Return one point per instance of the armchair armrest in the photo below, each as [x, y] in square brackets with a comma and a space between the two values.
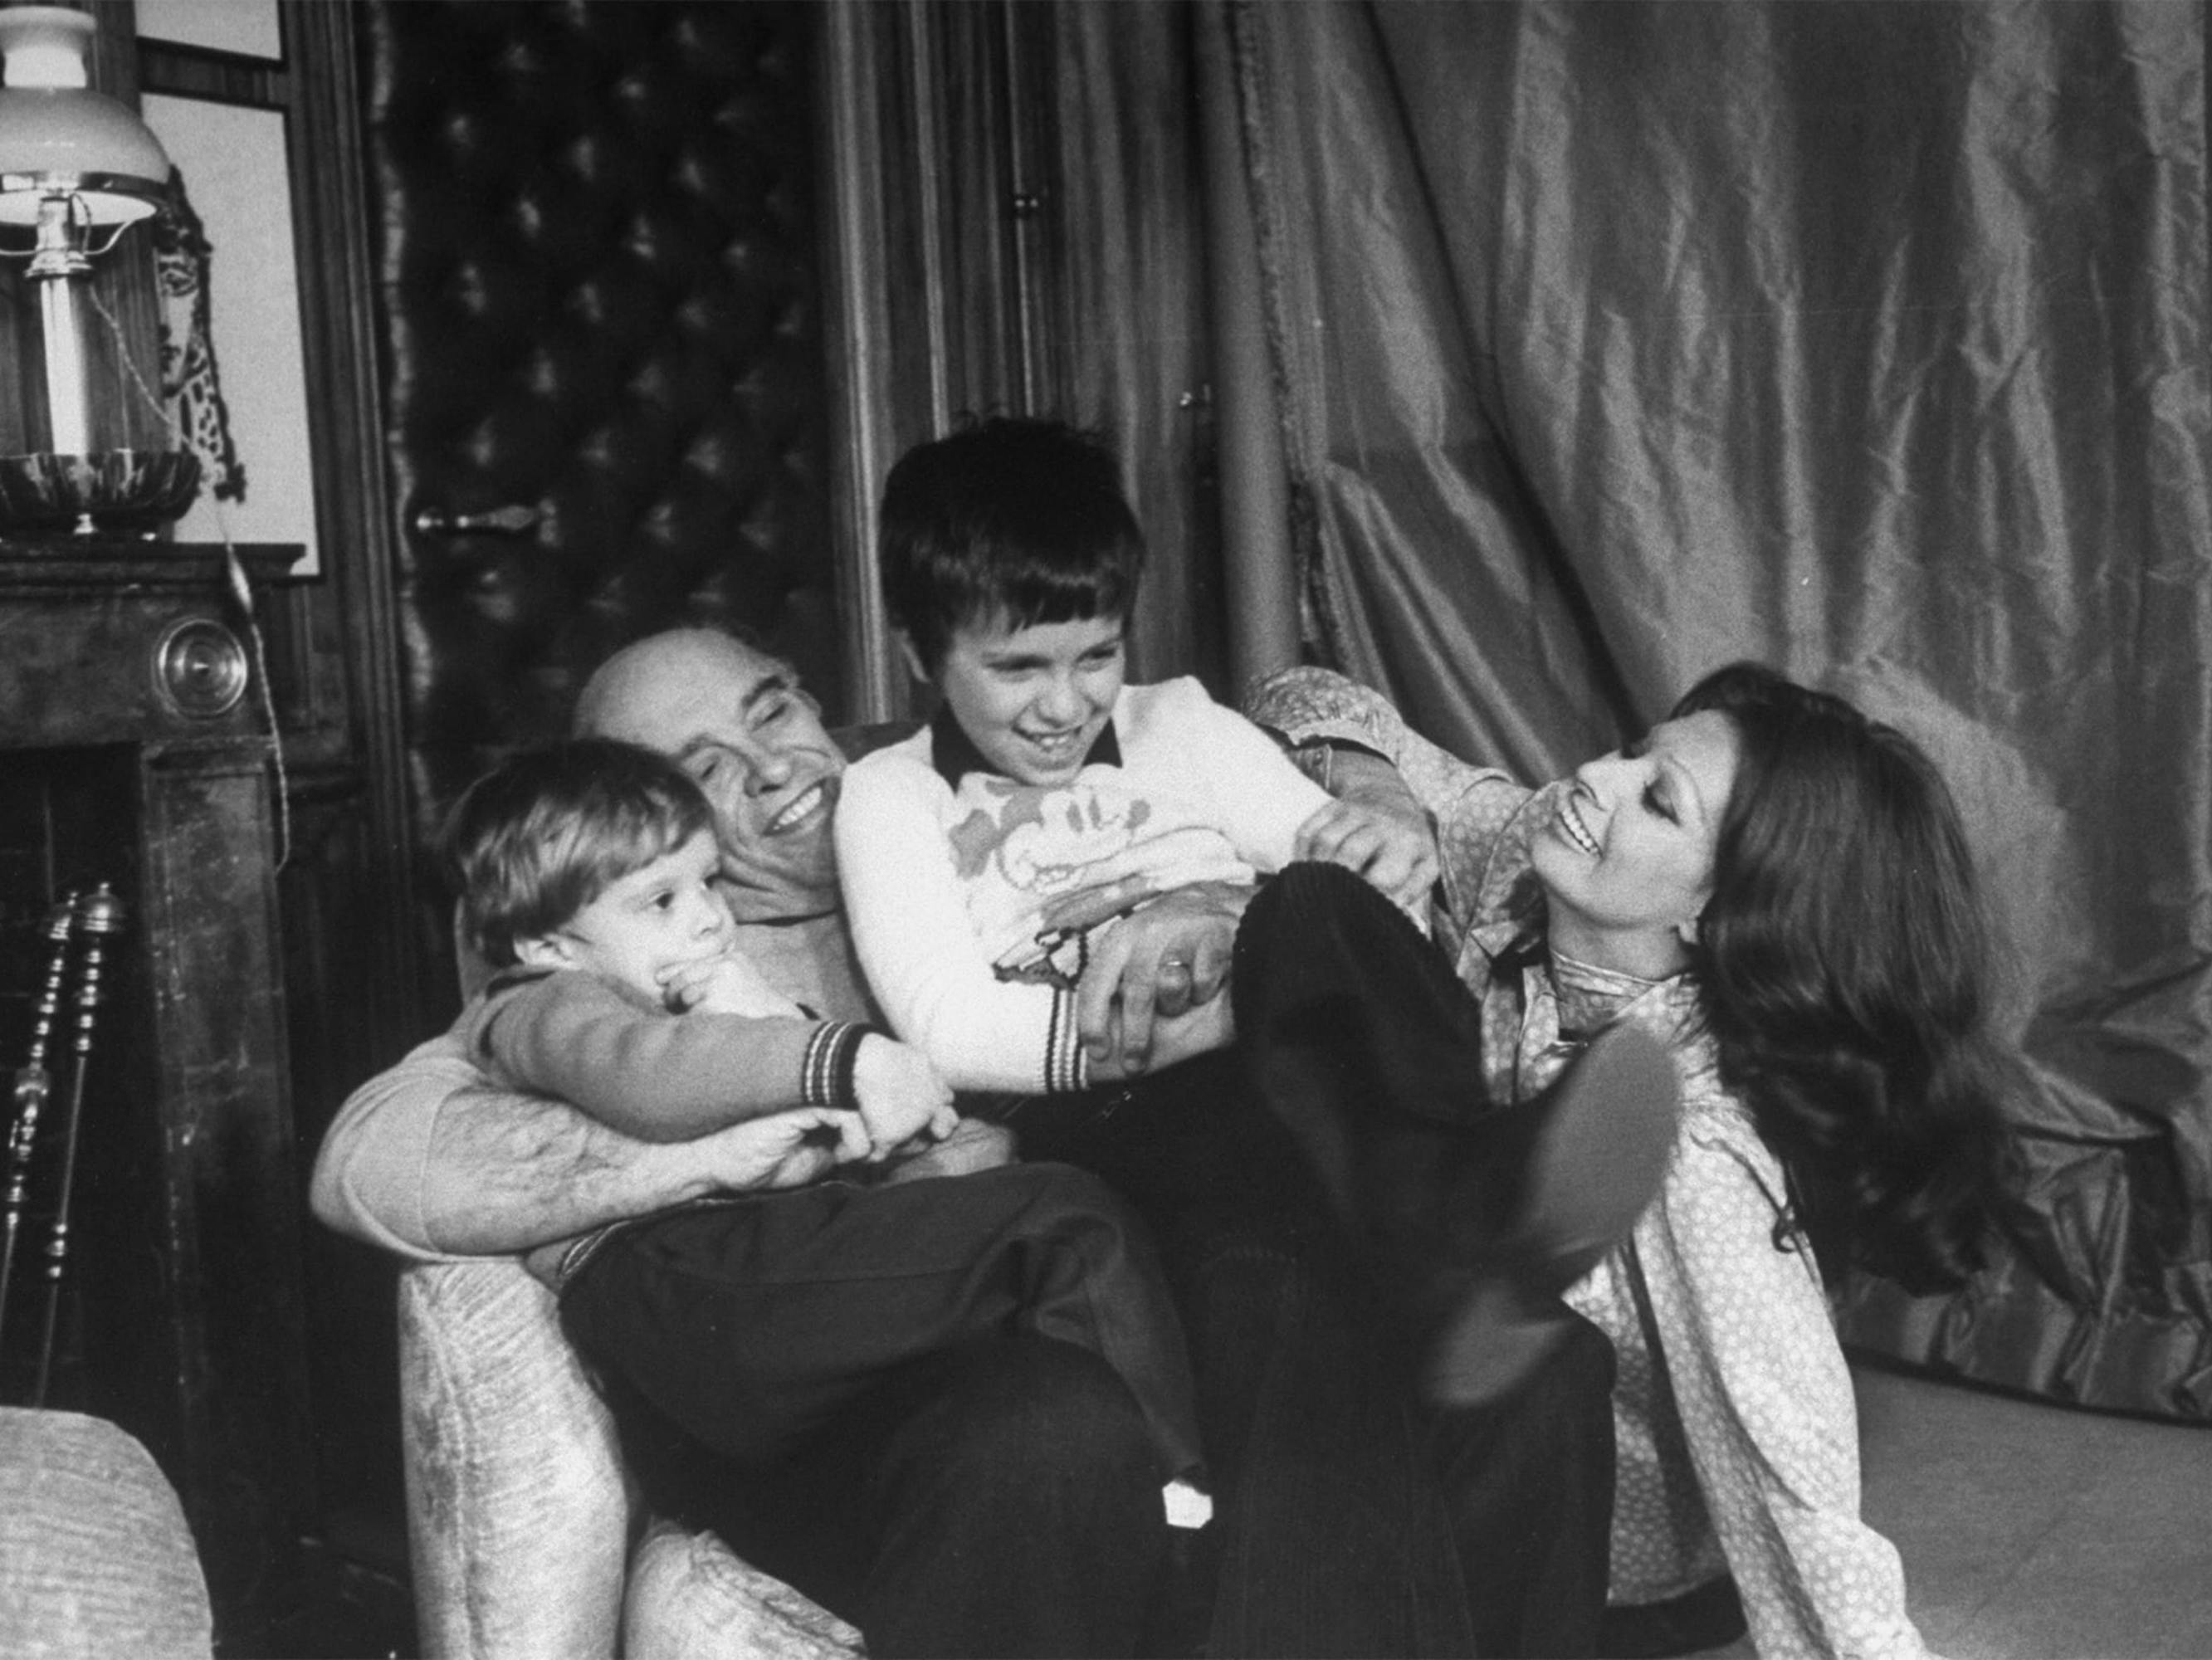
[518, 1515]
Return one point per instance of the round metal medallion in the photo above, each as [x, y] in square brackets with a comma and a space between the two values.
[199, 668]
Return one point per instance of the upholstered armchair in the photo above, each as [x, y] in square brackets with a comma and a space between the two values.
[527, 1537]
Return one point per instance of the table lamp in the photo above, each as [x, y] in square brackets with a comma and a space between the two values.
[77, 168]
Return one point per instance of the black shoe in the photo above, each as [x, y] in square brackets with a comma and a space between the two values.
[1599, 1146]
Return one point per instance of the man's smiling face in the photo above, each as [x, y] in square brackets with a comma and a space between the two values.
[737, 721]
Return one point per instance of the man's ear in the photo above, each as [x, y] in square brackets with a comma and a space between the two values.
[914, 665]
[544, 951]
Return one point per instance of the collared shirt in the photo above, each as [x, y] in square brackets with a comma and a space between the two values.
[954, 754]
[1736, 1429]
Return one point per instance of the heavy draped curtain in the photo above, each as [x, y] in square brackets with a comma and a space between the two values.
[1615, 341]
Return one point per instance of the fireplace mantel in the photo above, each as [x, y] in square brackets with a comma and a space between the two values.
[138, 755]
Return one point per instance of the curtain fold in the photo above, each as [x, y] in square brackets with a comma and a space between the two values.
[1616, 341]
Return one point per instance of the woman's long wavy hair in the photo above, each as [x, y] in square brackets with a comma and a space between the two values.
[1843, 963]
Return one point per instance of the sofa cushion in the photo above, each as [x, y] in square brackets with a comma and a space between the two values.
[94, 1555]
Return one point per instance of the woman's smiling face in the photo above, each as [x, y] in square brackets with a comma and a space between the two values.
[1627, 860]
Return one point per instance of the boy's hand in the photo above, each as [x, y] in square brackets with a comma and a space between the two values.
[728, 984]
[1391, 843]
[781, 1150]
[902, 1097]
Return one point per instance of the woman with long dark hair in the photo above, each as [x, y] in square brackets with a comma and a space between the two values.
[1776, 889]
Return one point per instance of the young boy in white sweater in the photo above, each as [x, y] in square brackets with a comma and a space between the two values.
[1046, 800]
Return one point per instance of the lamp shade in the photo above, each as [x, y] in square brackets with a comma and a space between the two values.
[59, 136]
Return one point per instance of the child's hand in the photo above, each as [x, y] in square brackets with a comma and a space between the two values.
[902, 1097]
[728, 984]
[1395, 847]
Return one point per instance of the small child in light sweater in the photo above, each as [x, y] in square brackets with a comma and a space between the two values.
[586, 872]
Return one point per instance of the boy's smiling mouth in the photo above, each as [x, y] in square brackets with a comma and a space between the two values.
[1057, 744]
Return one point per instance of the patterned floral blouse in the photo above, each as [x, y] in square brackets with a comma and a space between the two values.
[1737, 1434]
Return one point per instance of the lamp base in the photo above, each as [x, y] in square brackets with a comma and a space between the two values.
[126, 491]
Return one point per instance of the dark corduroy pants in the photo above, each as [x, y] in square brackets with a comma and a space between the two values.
[1354, 1518]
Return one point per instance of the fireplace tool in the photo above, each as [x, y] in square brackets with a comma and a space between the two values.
[98, 914]
[34, 1084]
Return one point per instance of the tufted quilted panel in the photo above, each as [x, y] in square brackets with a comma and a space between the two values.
[598, 278]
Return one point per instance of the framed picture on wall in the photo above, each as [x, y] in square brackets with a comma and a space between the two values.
[234, 28]
[233, 161]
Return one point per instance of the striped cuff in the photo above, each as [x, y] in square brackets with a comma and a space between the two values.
[825, 1071]
[1067, 1067]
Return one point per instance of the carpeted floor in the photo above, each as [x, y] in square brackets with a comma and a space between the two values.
[2030, 1532]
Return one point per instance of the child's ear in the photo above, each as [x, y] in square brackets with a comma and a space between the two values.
[914, 665]
[544, 951]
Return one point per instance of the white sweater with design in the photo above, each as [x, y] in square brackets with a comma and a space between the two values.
[971, 898]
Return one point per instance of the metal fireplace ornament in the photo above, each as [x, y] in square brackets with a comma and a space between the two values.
[34, 1085]
[92, 920]
[77, 169]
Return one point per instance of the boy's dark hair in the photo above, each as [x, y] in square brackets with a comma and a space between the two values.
[1012, 519]
[546, 832]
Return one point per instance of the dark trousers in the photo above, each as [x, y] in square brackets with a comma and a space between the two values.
[1353, 1518]
[918, 1399]
[1357, 1033]
[1358, 1036]
[752, 1321]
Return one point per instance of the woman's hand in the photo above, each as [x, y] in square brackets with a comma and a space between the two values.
[1375, 829]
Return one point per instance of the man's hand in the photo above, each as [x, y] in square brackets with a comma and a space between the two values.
[1375, 829]
[1163, 961]
[1209, 1026]
[902, 1097]
[782, 1150]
